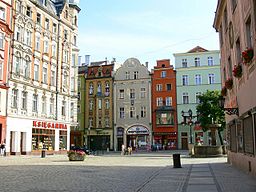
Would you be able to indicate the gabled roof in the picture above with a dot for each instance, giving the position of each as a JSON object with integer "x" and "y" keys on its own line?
{"x": 197, "y": 49}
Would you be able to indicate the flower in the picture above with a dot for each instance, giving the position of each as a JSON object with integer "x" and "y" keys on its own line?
{"x": 76, "y": 153}
{"x": 238, "y": 71}
{"x": 224, "y": 91}
{"x": 229, "y": 83}
{"x": 247, "y": 55}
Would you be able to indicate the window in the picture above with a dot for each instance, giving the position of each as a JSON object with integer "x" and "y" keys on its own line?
{"x": 37, "y": 46}
{"x": 91, "y": 88}
{"x": 2, "y": 13}
{"x": 143, "y": 93}
{"x": 65, "y": 56}
{"x": 132, "y": 93}
{"x": 198, "y": 79}
{"x": 106, "y": 121}
{"x": 168, "y": 87}
{"x": 159, "y": 101}
{"x": 197, "y": 62}
{"x": 47, "y": 24}
{"x": 72, "y": 84}
{"x": 35, "y": 103}
{"x": 26, "y": 68}
{"x": 99, "y": 104}
{"x": 51, "y": 106}
{"x": 197, "y": 97}
{"x": 53, "y": 77}
{"x": 65, "y": 79}
{"x": 238, "y": 52}
{"x": 44, "y": 75}
{"x": 38, "y": 18}
{"x": 91, "y": 105}
{"x": 159, "y": 87}
{"x": 127, "y": 75}
{"x": 43, "y": 105}
{"x": 230, "y": 68}
{"x": 135, "y": 74}
{"x": 14, "y": 101}
{"x": 249, "y": 35}
{"x": 46, "y": 46}
{"x": 168, "y": 101}
{"x": 132, "y": 112}
{"x": 75, "y": 20}
{"x": 210, "y": 61}
{"x": 107, "y": 104}
{"x": 72, "y": 110}
{"x": 1, "y": 40}
{"x": 90, "y": 122}
{"x": 1, "y": 70}
{"x": 63, "y": 108}
{"x": 74, "y": 40}
{"x": 143, "y": 111}
{"x": 36, "y": 72}
{"x": 17, "y": 64}
{"x": 107, "y": 89}
{"x": 165, "y": 118}
{"x": 18, "y": 6}
{"x": 121, "y": 94}
{"x": 28, "y": 38}
{"x": 54, "y": 27}
{"x": 99, "y": 90}
{"x": 184, "y": 63}
{"x": 121, "y": 112}
{"x": 29, "y": 12}
{"x": 211, "y": 78}
{"x": 66, "y": 14}
{"x": 24, "y": 100}
{"x": 163, "y": 74}
{"x": 184, "y": 79}
{"x": 65, "y": 34}
{"x": 18, "y": 33}
{"x": 185, "y": 98}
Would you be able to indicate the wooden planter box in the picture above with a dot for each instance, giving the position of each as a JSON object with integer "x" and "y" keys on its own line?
{"x": 76, "y": 157}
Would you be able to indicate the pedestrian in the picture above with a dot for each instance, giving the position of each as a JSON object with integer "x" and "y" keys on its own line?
{"x": 123, "y": 150}
{"x": 129, "y": 150}
{"x": 2, "y": 149}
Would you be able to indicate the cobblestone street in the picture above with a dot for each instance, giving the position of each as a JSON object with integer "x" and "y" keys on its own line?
{"x": 112, "y": 172}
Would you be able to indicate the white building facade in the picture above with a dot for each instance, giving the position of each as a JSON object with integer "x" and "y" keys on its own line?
{"x": 42, "y": 95}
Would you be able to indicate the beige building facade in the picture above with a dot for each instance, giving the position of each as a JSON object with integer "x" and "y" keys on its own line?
{"x": 236, "y": 23}
{"x": 42, "y": 97}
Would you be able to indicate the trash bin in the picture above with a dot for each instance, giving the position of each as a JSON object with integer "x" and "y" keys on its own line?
{"x": 43, "y": 153}
{"x": 176, "y": 160}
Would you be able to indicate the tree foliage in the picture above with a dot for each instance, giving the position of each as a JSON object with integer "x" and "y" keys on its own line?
{"x": 209, "y": 110}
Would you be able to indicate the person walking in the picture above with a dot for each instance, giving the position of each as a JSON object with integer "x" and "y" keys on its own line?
{"x": 2, "y": 149}
{"x": 123, "y": 150}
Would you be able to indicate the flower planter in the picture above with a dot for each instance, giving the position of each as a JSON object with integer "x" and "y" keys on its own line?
{"x": 247, "y": 55}
{"x": 76, "y": 157}
{"x": 238, "y": 71}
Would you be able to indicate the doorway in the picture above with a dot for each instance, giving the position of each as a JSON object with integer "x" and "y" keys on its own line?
{"x": 120, "y": 142}
{"x": 184, "y": 143}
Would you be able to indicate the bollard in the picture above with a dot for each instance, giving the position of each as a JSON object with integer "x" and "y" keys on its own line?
{"x": 176, "y": 160}
{"x": 43, "y": 153}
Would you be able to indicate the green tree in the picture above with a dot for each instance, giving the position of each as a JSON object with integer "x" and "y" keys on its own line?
{"x": 210, "y": 114}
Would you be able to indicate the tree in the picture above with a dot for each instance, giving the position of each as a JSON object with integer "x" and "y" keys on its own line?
{"x": 211, "y": 114}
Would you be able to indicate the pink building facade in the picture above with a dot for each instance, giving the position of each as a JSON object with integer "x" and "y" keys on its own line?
{"x": 236, "y": 23}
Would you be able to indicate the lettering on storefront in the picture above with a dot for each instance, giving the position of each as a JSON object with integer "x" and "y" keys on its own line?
{"x": 44, "y": 124}
{"x": 137, "y": 130}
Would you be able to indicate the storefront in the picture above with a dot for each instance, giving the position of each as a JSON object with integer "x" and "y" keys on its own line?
{"x": 165, "y": 141}
{"x": 138, "y": 137}
{"x": 31, "y": 136}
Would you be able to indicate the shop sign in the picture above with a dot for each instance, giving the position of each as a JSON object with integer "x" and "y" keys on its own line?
{"x": 44, "y": 124}
{"x": 137, "y": 130}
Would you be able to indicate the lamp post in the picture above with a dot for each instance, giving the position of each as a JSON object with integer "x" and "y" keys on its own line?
{"x": 189, "y": 115}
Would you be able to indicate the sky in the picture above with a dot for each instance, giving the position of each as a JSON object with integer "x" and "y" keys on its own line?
{"x": 148, "y": 30}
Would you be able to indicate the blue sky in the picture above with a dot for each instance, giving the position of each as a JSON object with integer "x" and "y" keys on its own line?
{"x": 148, "y": 30}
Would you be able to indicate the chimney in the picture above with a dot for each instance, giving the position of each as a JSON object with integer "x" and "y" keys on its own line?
{"x": 146, "y": 63}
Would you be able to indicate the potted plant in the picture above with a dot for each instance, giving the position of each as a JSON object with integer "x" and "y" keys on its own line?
{"x": 247, "y": 55}
{"x": 237, "y": 71}
{"x": 77, "y": 155}
{"x": 224, "y": 91}
{"x": 229, "y": 83}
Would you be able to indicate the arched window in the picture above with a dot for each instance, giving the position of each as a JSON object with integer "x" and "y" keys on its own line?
{"x": 17, "y": 63}
{"x": 26, "y": 68}
{"x": 99, "y": 91}
{"x": 91, "y": 88}
{"x": 107, "y": 89}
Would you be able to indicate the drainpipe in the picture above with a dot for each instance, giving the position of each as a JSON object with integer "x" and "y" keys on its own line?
{"x": 57, "y": 71}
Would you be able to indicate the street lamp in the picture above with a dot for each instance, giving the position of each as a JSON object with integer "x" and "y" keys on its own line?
{"x": 189, "y": 115}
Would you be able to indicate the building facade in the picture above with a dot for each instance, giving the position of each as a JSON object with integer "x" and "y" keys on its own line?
{"x": 42, "y": 95}
{"x": 5, "y": 42}
{"x": 99, "y": 106}
{"x": 164, "y": 111}
{"x": 132, "y": 104}
{"x": 198, "y": 70}
{"x": 236, "y": 23}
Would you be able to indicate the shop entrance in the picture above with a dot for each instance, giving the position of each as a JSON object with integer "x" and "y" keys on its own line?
{"x": 184, "y": 143}
{"x": 99, "y": 142}
{"x": 119, "y": 144}
{"x": 22, "y": 143}
{"x": 138, "y": 137}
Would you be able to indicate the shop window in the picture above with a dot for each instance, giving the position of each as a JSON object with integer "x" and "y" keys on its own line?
{"x": 63, "y": 140}
{"x": 43, "y": 139}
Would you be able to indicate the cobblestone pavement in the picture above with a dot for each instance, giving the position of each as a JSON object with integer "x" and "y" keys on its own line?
{"x": 141, "y": 172}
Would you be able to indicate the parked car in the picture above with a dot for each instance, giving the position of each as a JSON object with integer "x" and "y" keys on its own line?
{"x": 78, "y": 148}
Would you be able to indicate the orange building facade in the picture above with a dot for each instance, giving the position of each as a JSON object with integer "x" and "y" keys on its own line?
{"x": 164, "y": 106}
{"x": 5, "y": 38}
